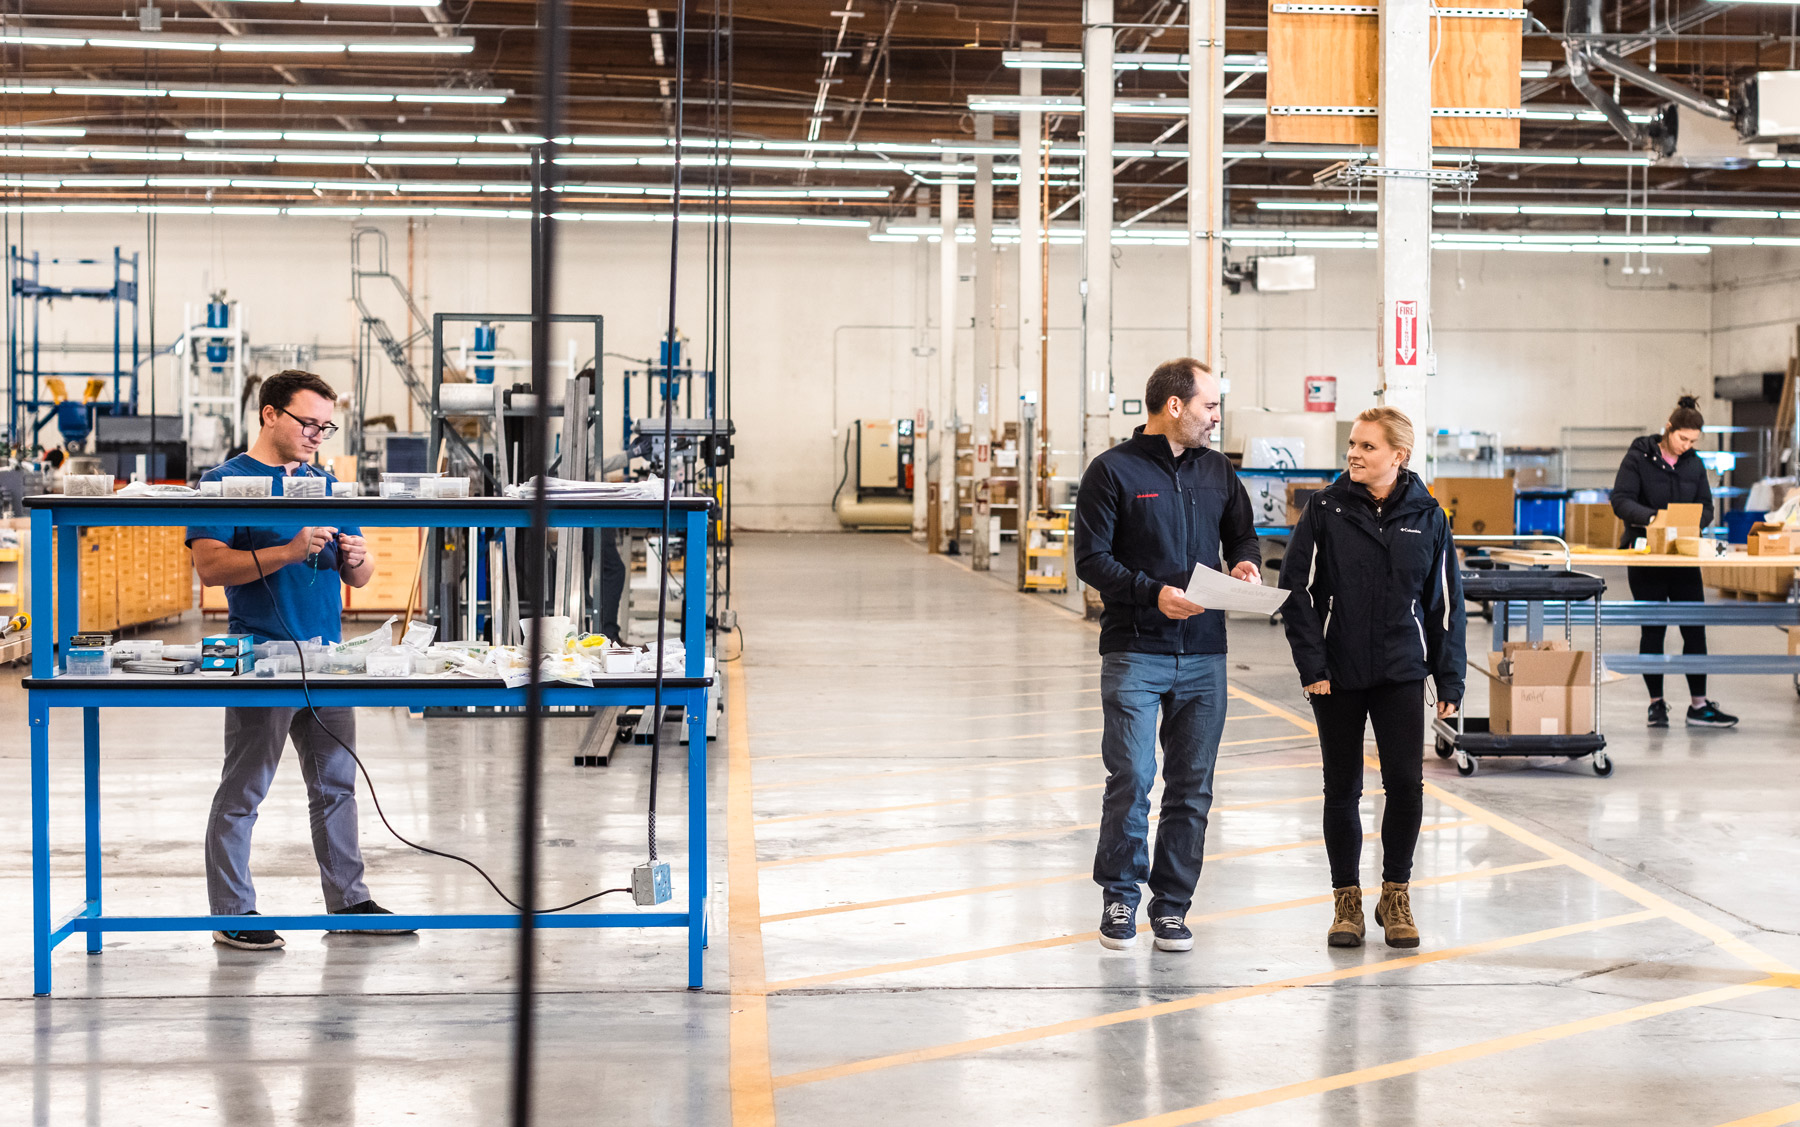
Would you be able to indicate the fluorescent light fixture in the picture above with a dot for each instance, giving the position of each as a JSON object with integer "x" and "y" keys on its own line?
{"x": 273, "y": 45}
{"x": 11, "y": 36}
{"x": 1558, "y": 209}
{"x": 232, "y": 135}
{"x": 1732, "y": 213}
{"x": 413, "y": 47}
{"x": 151, "y": 43}
{"x": 1531, "y": 68}
{"x": 331, "y": 138}
{"x": 270, "y": 93}
{"x": 42, "y": 131}
{"x": 110, "y": 91}
{"x": 229, "y": 95}
{"x": 427, "y": 138}
{"x": 1008, "y": 104}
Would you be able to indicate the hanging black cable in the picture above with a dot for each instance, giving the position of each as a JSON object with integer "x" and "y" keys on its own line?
{"x": 552, "y": 66}
{"x": 668, "y": 408}
{"x": 724, "y": 369}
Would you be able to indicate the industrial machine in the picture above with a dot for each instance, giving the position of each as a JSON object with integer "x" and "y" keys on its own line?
{"x": 212, "y": 389}
{"x": 882, "y": 450}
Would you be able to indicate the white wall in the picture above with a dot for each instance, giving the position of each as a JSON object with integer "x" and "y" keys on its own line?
{"x": 828, "y": 326}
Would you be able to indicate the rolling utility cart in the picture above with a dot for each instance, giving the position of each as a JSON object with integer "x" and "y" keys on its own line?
{"x": 1507, "y": 591}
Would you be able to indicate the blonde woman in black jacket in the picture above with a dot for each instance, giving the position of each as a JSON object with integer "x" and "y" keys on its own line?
{"x": 1377, "y": 607}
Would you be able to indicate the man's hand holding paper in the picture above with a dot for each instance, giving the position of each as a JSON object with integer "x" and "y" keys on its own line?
{"x": 1215, "y": 590}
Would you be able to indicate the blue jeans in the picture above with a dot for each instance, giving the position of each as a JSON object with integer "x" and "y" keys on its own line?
{"x": 1190, "y": 692}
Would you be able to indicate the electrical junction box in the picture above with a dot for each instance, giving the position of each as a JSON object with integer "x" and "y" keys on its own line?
{"x": 1286, "y": 273}
{"x": 650, "y": 883}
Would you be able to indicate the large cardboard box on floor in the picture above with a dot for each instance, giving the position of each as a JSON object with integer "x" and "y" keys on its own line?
{"x": 1670, "y": 525}
{"x": 1548, "y": 691}
{"x": 1478, "y": 506}
{"x": 1594, "y": 526}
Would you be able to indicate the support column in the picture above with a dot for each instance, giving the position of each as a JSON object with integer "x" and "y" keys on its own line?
{"x": 1096, "y": 225}
{"x": 985, "y": 352}
{"x": 1031, "y": 289}
{"x": 944, "y": 426}
{"x": 1206, "y": 180}
{"x": 1403, "y": 218}
{"x": 922, "y": 350}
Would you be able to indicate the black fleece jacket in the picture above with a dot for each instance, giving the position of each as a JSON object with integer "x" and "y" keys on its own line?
{"x": 1647, "y": 484}
{"x": 1143, "y": 519}
{"x": 1377, "y": 596}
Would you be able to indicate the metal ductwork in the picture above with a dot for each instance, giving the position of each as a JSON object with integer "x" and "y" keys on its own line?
{"x": 1582, "y": 19}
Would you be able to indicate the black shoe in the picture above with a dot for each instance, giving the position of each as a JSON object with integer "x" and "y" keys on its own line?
{"x": 1118, "y": 926}
{"x": 370, "y": 908}
{"x": 1659, "y": 714}
{"x": 1172, "y": 934}
{"x": 1709, "y": 716}
{"x": 250, "y": 940}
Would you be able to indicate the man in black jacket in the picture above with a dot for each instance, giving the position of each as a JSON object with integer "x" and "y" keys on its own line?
{"x": 1149, "y": 510}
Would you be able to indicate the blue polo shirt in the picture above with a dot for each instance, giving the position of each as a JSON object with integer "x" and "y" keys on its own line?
{"x": 310, "y": 598}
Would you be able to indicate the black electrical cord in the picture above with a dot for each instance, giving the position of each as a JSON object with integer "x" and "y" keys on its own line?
{"x": 306, "y": 691}
{"x": 845, "y": 476}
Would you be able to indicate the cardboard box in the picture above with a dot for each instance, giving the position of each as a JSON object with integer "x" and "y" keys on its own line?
{"x": 1548, "y": 691}
{"x": 1772, "y": 540}
{"x": 1671, "y": 525}
{"x": 1593, "y": 526}
{"x": 1299, "y": 491}
{"x": 1478, "y": 506}
{"x": 1701, "y": 547}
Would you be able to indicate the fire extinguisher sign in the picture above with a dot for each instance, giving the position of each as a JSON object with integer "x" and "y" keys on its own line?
{"x": 1406, "y": 332}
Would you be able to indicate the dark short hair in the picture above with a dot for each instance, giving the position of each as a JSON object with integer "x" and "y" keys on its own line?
{"x": 279, "y": 389}
{"x": 1686, "y": 415}
{"x": 1173, "y": 379}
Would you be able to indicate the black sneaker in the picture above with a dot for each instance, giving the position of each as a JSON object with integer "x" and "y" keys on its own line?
{"x": 1659, "y": 714}
{"x": 1709, "y": 716}
{"x": 370, "y": 908}
{"x": 250, "y": 940}
{"x": 1172, "y": 934}
{"x": 1118, "y": 926}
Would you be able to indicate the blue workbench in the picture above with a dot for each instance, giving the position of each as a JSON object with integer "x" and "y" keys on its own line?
{"x": 48, "y": 688}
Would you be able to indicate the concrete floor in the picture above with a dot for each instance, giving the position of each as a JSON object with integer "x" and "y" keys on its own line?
{"x": 904, "y": 806}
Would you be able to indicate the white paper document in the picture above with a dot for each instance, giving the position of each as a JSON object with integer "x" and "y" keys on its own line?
{"x": 1215, "y": 590}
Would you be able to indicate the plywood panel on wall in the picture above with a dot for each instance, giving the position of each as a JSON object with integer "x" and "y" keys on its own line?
{"x": 1336, "y": 61}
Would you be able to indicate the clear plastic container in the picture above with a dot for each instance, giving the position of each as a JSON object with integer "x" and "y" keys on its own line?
{"x": 213, "y": 488}
{"x": 389, "y": 661}
{"x": 346, "y": 489}
{"x": 248, "y": 485}
{"x": 442, "y": 487}
{"x": 89, "y": 663}
{"x": 88, "y": 485}
{"x": 308, "y": 486}
{"x": 404, "y": 484}
{"x": 342, "y": 663}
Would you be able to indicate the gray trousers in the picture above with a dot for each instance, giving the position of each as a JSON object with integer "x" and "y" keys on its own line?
{"x": 254, "y": 741}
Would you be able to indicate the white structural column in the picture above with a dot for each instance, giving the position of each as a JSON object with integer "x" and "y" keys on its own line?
{"x": 984, "y": 353}
{"x": 944, "y": 426}
{"x": 1404, "y": 216}
{"x": 1206, "y": 179}
{"x": 1096, "y": 225}
{"x": 921, "y": 350}
{"x": 1031, "y": 280}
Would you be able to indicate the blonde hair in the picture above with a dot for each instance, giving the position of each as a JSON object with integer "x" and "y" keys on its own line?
{"x": 1395, "y": 427}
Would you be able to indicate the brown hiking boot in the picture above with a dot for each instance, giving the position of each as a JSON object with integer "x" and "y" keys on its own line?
{"x": 1394, "y": 914}
{"x": 1347, "y": 926}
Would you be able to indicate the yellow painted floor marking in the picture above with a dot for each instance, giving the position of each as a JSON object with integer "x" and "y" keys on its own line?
{"x": 1457, "y": 1055}
{"x": 1082, "y": 874}
{"x": 842, "y": 753}
{"x": 968, "y": 798}
{"x": 1021, "y": 835}
{"x": 1094, "y": 936}
{"x": 1780, "y": 1117}
{"x": 1724, "y": 939}
{"x": 1199, "y": 1001}
{"x": 752, "y": 1090}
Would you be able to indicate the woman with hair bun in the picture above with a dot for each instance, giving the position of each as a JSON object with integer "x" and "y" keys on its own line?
{"x": 1659, "y": 471}
{"x": 1376, "y": 608}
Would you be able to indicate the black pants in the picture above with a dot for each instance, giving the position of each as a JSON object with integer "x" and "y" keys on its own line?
{"x": 1397, "y": 713}
{"x": 612, "y": 582}
{"x": 1669, "y": 585}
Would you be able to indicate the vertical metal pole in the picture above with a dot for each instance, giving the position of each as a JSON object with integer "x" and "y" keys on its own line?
{"x": 698, "y": 716}
{"x": 43, "y": 606}
{"x": 921, "y": 350}
{"x": 40, "y": 844}
{"x": 1403, "y": 218}
{"x": 1096, "y": 225}
{"x": 1031, "y": 282}
{"x": 68, "y": 593}
{"x": 947, "y": 417}
{"x": 90, "y": 763}
{"x": 984, "y": 352}
{"x": 1206, "y": 179}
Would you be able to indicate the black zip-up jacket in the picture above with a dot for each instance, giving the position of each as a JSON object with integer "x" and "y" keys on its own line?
{"x": 1647, "y": 484}
{"x": 1143, "y": 519}
{"x": 1377, "y": 596}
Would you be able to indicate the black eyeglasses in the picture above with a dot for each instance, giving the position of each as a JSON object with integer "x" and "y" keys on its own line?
{"x": 310, "y": 430}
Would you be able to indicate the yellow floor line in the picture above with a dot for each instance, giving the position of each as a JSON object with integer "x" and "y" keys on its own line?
{"x": 1081, "y": 874}
{"x": 752, "y": 1089}
{"x": 1198, "y": 1001}
{"x": 968, "y": 798}
{"x": 1724, "y": 939}
{"x": 1458, "y": 1055}
{"x": 1019, "y": 835}
{"x": 1094, "y": 936}
{"x": 842, "y": 753}
{"x": 1780, "y": 1117}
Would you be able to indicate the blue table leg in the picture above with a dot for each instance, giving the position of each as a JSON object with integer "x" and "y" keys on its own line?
{"x": 40, "y": 848}
{"x": 695, "y": 708}
{"x": 90, "y": 723}
{"x": 68, "y": 590}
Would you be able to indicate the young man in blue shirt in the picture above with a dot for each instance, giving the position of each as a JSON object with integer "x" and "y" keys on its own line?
{"x": 282, "y": 583}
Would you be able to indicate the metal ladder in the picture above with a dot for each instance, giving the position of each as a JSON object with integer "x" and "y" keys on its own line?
{"x": 395, "y": 347}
